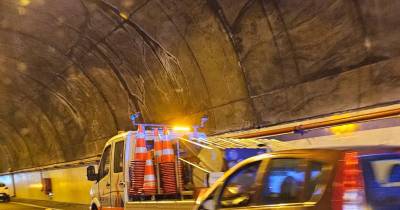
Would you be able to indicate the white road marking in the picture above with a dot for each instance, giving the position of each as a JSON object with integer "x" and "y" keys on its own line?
{"x": 36, "y": 206}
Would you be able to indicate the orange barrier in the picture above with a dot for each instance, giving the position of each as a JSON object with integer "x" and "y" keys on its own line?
{"x": 111, "y": 208}
{"x": 322, "y": 124}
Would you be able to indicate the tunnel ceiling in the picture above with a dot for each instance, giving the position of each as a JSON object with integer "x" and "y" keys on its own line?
{"x": 73, "y": 70}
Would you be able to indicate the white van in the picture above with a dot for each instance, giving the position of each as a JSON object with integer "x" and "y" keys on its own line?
{"x": 111, "y": 187}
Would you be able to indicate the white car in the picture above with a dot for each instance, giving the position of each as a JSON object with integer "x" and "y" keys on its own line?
{"x": 4, "y": 193}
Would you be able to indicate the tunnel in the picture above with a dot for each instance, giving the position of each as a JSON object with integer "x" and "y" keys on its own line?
{"x": 73, "y": 71}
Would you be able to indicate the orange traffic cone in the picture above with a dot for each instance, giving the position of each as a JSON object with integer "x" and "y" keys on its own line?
{"x": 167, "y": 166}
{"x": 168, "y": 150}
{"x": 157, "y": 146}
{"x": 140, "y": 148}
{"x": 137, "y": 164}
{"x": 149, "y": 186}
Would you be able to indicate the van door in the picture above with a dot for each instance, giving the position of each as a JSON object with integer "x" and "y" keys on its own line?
{"x": 117, "y": 177}
{"x": 105, "y": 178}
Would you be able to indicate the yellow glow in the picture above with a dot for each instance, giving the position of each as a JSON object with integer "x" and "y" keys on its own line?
{"x": 24, "y": 3}
{"x": 343, "y": 129}
{"x": 38, "y": 185}
{"x": 181, "y": 128}
{"x": 124, "y": 15}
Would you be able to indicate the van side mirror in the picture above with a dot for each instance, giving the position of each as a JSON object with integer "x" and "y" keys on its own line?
{"x": 91, "y": 173}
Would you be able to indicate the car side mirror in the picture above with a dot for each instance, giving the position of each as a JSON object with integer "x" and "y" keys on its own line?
{"x": 208, "y": 205}
{"x": 91, "y": 173}
{"x": 237, "y": 201}
{"x": 6, "y": 188}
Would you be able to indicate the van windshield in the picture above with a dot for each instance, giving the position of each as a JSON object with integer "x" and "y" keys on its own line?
{"x": 382, "y": 179}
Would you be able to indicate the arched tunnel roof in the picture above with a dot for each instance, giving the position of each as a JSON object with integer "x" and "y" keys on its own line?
{"x": 73, "y": 70}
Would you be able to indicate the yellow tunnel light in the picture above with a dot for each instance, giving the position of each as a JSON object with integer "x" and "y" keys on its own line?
{"x": 181, "y": 128}
{"x": 124, "y": 16}
{"x": 344, "y": 129}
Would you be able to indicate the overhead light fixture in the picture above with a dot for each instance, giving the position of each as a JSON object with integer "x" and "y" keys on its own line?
{"x": 344, "y": 129}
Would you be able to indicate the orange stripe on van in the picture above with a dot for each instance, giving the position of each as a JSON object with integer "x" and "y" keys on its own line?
{"x": 111, "y": 208}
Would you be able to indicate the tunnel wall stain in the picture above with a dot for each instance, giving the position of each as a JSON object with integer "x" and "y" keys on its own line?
{"x": 73, "y": 70}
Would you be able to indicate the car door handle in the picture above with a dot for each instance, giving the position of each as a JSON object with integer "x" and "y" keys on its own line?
{"x": 108, "y": 185}
{"x": 121, "y": 184}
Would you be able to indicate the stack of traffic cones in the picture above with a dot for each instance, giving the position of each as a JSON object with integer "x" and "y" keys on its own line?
{"x": 167, "y": 165}
{"x": 157, "y": 146}
{"x": 137, "y": 165}
{"x": 157, "y": 158}
{"x": 149, "y": 185}
{"x": 180, "y": 175}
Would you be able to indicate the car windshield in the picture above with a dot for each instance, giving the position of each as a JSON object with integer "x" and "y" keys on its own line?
{"x": 382, "y": 179}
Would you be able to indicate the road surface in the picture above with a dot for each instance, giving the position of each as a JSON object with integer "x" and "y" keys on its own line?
{"x": 17, "y": 206}
{"x": 25, "y": 204}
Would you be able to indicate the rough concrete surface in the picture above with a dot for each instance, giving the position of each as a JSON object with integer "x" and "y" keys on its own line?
{"x": 73, "y": 70}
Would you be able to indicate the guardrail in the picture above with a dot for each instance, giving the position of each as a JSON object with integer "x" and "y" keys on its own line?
{"x": 62, "y": 165}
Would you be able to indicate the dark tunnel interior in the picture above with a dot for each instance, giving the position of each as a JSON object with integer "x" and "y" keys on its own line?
{"x": 72, "y": 71}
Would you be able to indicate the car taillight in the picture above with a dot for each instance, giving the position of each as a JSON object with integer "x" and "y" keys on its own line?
{"x": 348, "y": 186}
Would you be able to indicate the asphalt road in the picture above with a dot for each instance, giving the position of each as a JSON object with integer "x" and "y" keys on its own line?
{"x": 25, "y": 204}
{"x": 16, "y": 206}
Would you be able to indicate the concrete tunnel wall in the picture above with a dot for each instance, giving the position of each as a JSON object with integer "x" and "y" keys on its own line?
{"x": 73, "y": 70}
{"x": 68, "y": 185}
